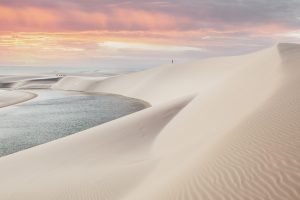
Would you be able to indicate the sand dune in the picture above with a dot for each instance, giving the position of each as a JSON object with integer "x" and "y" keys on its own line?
{"x": 221, "y": 128}
{"x": 101, "y": 163}
{"x": 28, "y": 81}
{"x": 13, "y": 97}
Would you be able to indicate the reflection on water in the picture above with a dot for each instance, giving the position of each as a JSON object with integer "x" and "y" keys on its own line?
{"x": 55, "y": 114}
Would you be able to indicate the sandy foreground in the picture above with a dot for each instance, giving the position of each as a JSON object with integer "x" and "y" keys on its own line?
{"x": 221, "y": 128}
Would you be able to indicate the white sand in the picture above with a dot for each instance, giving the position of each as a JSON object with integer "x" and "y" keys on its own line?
{"x": 222, "y": 128}
{"x": 10, "y": 97}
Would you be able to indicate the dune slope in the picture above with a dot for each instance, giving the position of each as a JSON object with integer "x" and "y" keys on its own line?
{"x": 8, "y": 97}
{"x": 222, "y": 128}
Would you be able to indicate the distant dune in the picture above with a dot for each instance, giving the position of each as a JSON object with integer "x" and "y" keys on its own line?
{"x": 8, "y": 98}
{"x": 28, "y": 81}
{"x": 221, "y": 128}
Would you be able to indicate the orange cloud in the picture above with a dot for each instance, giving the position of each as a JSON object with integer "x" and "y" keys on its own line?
{"x": 27, "y": 19}
{"x": 42, "y": 19}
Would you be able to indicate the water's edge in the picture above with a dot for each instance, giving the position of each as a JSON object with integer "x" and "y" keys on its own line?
{"x": 54, "y": 114}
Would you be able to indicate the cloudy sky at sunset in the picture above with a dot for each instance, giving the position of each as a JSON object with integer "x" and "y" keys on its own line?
{"x": 137, "y": 32}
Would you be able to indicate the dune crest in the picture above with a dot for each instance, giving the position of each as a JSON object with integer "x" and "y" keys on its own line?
{"x": 221, "y": 128}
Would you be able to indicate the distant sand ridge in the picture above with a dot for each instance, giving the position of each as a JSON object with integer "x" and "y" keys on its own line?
{"x": 13, "y": 97}
{"x": 221, "y": 128}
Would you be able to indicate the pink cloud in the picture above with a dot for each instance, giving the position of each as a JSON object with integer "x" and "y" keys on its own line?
{"x": 27, "y": 19}
{"x": 41, "y": 19}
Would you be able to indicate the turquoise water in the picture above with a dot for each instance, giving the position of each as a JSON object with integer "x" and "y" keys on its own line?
{"x": 55, "y": 114}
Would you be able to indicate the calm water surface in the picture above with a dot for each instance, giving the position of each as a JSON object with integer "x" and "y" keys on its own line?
{"x": 55, "y": 114}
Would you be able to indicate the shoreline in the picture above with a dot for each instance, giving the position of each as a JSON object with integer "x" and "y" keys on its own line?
{"x": 145, "y": 103}
{"x": 56, "y": 114}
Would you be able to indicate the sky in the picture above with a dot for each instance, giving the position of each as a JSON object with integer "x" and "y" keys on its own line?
{"x": 144, "y": 33}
